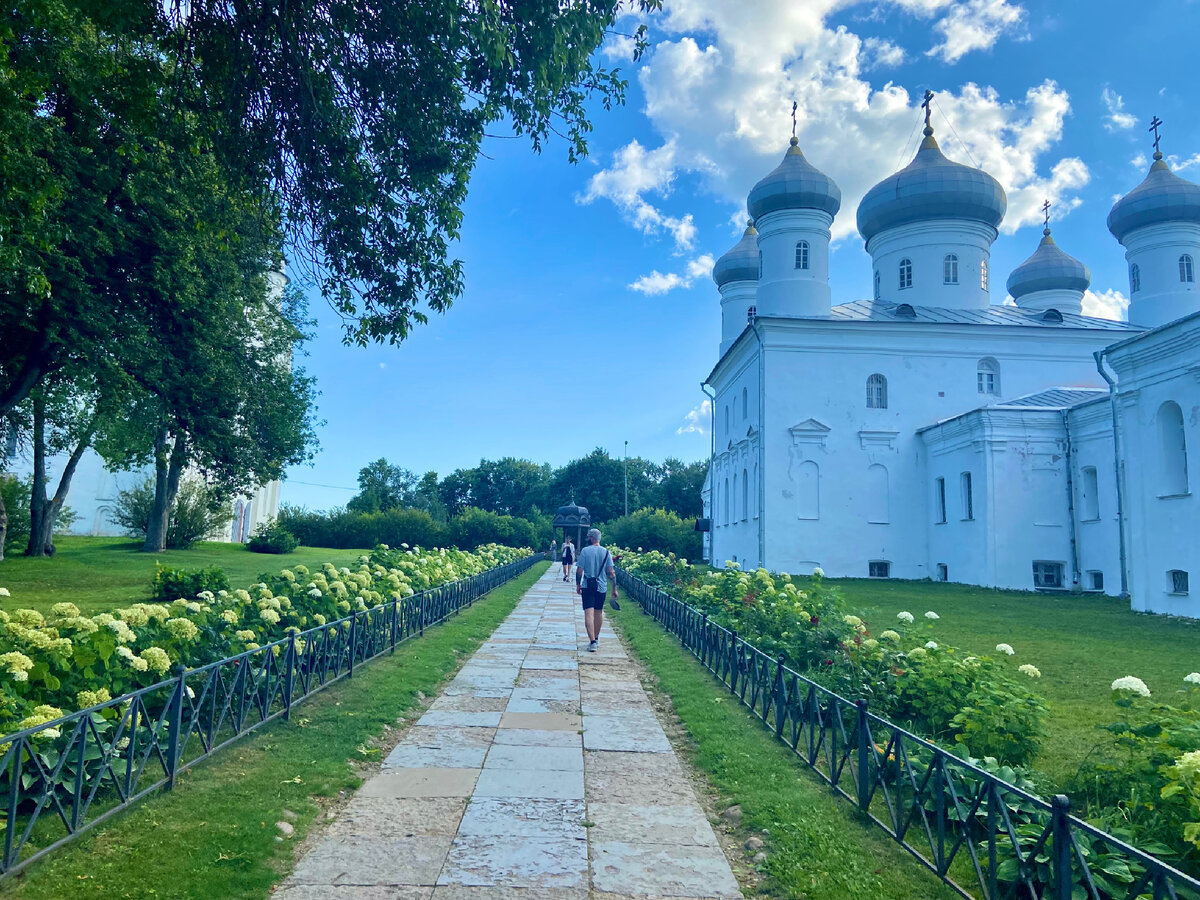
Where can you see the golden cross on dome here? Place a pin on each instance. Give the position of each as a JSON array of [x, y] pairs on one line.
[[1155, 123]]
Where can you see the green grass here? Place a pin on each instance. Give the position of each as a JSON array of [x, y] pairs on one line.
[[1081, 643], [98, 574], [214, 835], [818, 847]]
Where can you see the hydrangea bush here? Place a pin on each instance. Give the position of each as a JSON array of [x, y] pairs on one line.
[[67, 661]]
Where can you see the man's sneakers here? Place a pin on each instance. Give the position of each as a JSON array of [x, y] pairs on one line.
[[593, 646]]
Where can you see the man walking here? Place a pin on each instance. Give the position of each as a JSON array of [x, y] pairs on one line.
[[593, 570]]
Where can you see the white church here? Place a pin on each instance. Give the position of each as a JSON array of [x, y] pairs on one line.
[[931, 433]]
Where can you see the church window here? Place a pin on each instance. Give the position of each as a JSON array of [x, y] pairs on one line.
[[754, 494], [1172, 451], [877, 392], [877, 495], [725, 507], [745, 496], [1177, 581], [1047, 574], [1095, 580], [1187, 272], [878, 294], [905, 311], [943, 572], [727, 420], [950, 269], [968, 500], [905, 273], [940, 499], [760, 265], [745, 403], [987, 376], [735, 515], [879, 568], [802, 254], [808, 490], [1089, 488], [983, 274], [1135, 278]]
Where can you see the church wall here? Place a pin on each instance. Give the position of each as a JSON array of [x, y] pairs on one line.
[[1162, 297], [926, 246], [1094, 482], [735, 506]]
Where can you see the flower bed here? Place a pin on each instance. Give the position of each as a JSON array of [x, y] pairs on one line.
[[56, 664]]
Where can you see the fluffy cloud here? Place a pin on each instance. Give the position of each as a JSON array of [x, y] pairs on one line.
[[1117, 119], [1108, 304], [697, 420], [1182, 165], [658, 283], [720, 82]]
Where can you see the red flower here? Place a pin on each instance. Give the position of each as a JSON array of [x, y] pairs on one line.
[[829, 662], [813, 620]]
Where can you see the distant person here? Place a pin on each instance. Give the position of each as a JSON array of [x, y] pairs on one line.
[[568, 557], [554, 548], [592, 575]]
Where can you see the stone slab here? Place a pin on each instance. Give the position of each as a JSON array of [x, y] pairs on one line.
[[427, 782], [389, 818], [627, 733], [636, 778], [485, 860], [352, 892], [615, 703], [498, 892], [530, 737], [547, 784], [452, 747], [567, 759], [469, 703], [543, 706], [641, 869], [460, 718], [525, 818], [542, 721], [650, 824], [339, 859], [566, 689]]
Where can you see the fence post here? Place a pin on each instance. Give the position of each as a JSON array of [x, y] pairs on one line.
[[289, 668], [421, 612], [780, 705], [353, 641], [174, 723], [733, 661], [864, 750], [1061, 879], [395, 622]]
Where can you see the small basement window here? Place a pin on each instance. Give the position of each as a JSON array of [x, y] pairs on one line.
[[943, 572], [879, 569], [1177, 581], [1095, 581], [1047, 574]]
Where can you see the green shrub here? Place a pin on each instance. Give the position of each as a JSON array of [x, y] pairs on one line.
[[15, 492], [173, 584], [271, 537], [655, 529], [345, 529], [199, 513]]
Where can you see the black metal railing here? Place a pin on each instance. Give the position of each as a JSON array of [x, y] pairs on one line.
[[66, 776], [983, 837]]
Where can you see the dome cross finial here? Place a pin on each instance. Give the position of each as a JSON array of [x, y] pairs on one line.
[[794, 107], [1155, 124], [927, 105], [1046, 216]]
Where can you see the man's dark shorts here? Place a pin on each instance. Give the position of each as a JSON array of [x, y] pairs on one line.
[[593, 599]]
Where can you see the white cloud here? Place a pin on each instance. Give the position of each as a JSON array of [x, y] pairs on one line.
[[659, 283], [880, 53], [974, 25], [1117, 119], [719, 86], [697, 420], [1180, 165], [1110, 304]]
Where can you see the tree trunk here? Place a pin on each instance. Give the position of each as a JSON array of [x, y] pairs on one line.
[[55, 504], [37, 496], [168, 472], [3, 522]]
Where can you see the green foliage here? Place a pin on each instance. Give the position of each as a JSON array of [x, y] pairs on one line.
[[473, 527], [15, 492], [171, 583], [655, 529], [200, 512], [411, 527], [271, 537]]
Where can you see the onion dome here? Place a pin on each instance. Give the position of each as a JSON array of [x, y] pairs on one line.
[[1049, 269], [1161, 197], [931, 187], [740, 262], [571, 515], [794, 184]]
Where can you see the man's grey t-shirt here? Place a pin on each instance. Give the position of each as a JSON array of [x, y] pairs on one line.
[[594, 560]]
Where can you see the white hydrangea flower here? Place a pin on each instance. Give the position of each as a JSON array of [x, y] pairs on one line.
[[932, 616], [1031, 671], [1006, 649], [4, 592], [818, 572], [1132, 684], [905, 617], [1194, 678], [931, 645]]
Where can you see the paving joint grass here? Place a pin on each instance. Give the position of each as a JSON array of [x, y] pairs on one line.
[[818, 846], [215, 834]]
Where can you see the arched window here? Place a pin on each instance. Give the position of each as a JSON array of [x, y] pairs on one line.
[[754, 492], [1187, 272], [727, 420], [950, 269], [801, 254], [987, 376], [1135, 279], [745, 496], [983, 275], [905, 273], [760, 265], [877, 494], [735, 515], [745, 403], [1172, 451], [877, 392], [877, 292], [725, 512], [808, 490]]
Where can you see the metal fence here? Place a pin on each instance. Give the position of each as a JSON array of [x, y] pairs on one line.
[[983, 837], [110, 755]]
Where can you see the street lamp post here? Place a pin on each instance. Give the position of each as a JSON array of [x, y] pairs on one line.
[[626, 467]]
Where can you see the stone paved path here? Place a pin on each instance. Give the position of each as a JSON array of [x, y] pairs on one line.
[[502, 790]]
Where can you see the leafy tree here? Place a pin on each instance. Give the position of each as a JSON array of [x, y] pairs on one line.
[[382, 486], [677, 487], [595, 481], [655, 529]]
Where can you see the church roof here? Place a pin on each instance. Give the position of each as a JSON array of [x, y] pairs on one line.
[[1056, 398], [1161, 197], [1048, 269], [794, 184], [931, 187], [740, 262], [881, 311]]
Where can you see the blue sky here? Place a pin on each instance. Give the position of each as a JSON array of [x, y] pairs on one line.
[[589, 317]]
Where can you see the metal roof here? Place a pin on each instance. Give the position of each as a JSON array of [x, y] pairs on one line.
[[880, 311], [1055, 398], [794, 184], [1161, 197], [740, 262], [1048, 269]]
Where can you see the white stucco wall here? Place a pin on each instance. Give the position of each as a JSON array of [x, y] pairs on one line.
[[1155, 250], [927, 244]]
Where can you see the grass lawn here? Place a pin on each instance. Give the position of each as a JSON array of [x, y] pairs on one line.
[[1080, 643], [817, 848], [101, 573], [214, 835]]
